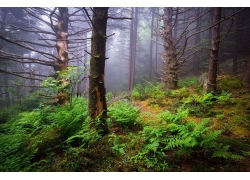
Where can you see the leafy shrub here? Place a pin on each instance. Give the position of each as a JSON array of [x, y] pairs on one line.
[[124, 114]]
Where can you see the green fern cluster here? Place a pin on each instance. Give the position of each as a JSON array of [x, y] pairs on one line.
[[68, 119], [181, 138], [190, 81], [152, 90], [200, 104], [124, 114], [169, 117], [85, 136], [207, 98], [30, 134]]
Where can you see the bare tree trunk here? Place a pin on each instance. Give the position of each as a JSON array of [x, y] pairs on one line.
[[5, 66], [171, 80], [134, 45], [32, 81], [63, 95], [130, 83], [85, 82], [214, 52], [196, 60], [156, 48], [235, 46], [151, 45], [97, 91]]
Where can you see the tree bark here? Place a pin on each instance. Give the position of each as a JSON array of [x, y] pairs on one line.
[[5, 65], [135, 45], [151, 45], [196, 60], [235, 46], [130, 81], [214, 51], [97, 91], [63, 95], [171, 80], [156, 48]]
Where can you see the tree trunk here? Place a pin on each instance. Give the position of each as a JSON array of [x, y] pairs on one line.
[[196, 60], [97, 91], [156, 48], [134, 48], [212, 73], [5, 65], [130, 82], [63, 95], [85, 84], [235, 46], [170, 81], [151, 45]]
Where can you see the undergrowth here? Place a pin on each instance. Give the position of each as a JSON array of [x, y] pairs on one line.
[[63, 138]]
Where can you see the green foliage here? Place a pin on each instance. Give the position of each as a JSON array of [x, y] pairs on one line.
[[199, 104], [152, 90], [31, 101], [182, 139], [85, 136], [32, 134], [14, 141], [124, 114], [228, 83], [14, 155], [69, 120], [117, 145], [72, 75], [8, 113], [179, 93], [168, 117], [190, 81]]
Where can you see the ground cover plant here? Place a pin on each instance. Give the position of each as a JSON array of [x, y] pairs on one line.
[[153, 130]]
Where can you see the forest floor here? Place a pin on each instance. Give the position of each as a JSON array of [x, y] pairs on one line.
[[200, 164], [182, 130]]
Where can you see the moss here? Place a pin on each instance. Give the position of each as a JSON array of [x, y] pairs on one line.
[[228, 83], [248, 106]]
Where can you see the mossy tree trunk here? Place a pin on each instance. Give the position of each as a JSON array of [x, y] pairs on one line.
[[170, 80], [97, 91], [63, 95], [214, 52]]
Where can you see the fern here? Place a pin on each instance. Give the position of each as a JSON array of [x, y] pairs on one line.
[[124, 114]]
